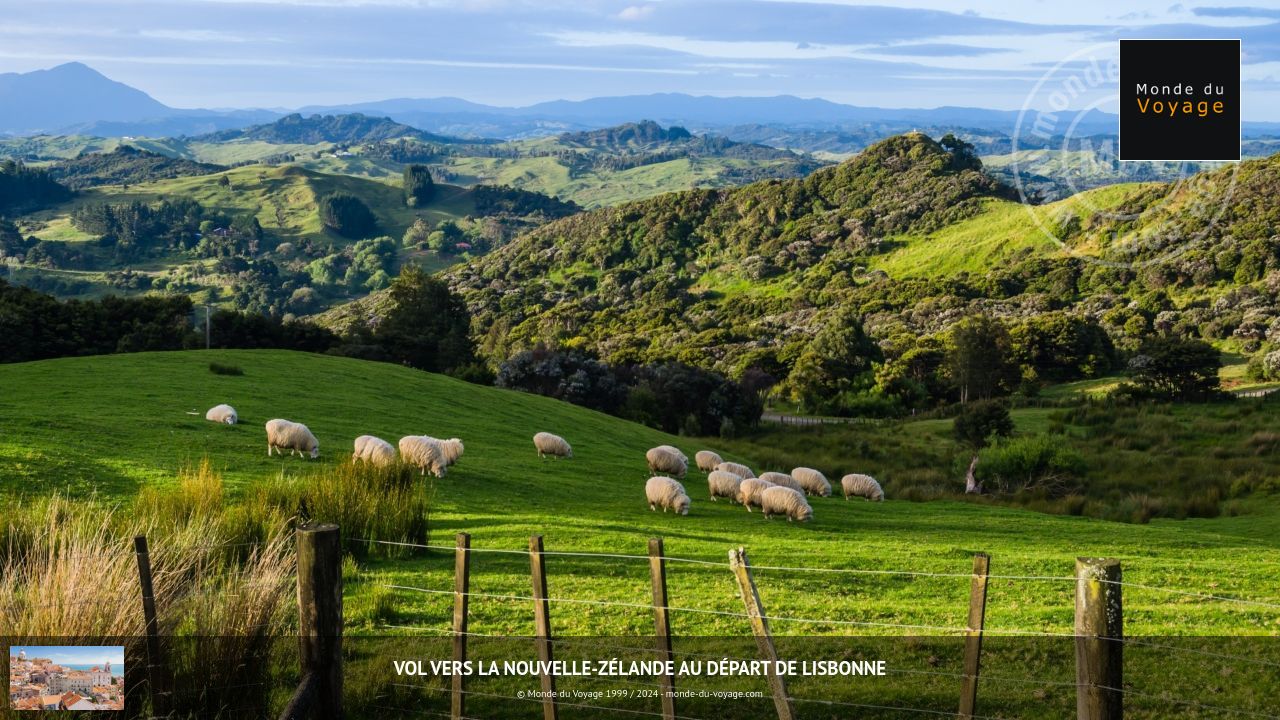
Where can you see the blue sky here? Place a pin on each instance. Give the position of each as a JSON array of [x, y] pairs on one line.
[[76, 654], [909, 53]]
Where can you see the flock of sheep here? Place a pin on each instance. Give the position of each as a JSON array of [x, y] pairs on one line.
[[775, 493]]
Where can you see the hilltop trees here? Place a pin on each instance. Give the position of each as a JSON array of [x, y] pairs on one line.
[[418, 186], [23, 189], [347, 215]]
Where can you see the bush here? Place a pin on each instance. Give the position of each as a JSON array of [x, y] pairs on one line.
[[347, 215], [220, 369], [1035, 463]]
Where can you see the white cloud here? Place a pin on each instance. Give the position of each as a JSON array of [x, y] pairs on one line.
[[635, 12]]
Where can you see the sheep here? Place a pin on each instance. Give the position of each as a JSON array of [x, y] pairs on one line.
[[452, 450], [783, 479], [785, 501], [749, 491], [723, 484], [552, 445], [666, 493], [863, 486], [295, 437], [424, 453], [663, 459], [373, 450], [222, 414], [812, 481], [707, 460], [738, 469], [676, 451]]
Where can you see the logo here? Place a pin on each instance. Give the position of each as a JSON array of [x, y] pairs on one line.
[[1180, 100]]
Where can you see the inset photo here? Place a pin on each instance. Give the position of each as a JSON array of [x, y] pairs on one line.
[[66, 677]]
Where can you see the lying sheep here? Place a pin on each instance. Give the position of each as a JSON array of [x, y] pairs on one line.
[[863, 486], [424, 453], [552, 445], [222, 414], [666, 459], [813, 482], [783, 479], [749, 492], [723, 484], [665, 493], [707, 460], [452, 450], [295, 437], [373, 450], [738, 469], [785, 501]]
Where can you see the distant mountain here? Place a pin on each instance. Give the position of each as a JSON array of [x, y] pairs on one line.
[[628, 135], [188, 122], [67, 95], [348, 128]]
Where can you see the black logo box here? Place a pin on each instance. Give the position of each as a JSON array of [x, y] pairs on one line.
[[1187, 65]]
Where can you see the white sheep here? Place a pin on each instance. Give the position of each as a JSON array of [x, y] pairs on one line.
[[452, 450], [813, 482], [783, 479], [552, 445], [707, 460], [373, 450], [666, 493], [723, 484], [785, 501], [749, 491], [222, 414], [738, 469], [424, 453], [295, 437], [863, 486], [677, 451], [666, 459]]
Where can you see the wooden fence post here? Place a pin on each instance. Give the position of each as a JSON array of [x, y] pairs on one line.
[[155, 659], [760, 627], [662, 625], [542, 627], [320, 618], [461, 588], [973, 635], [1099, 640]]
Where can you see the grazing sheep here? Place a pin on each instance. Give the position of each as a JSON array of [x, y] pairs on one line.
[[785, 501], [222, 414], [373, 450], [295, 437], [707, 460], [749, 492], [783, 479], [677, 451], [452, 450], [668, 494], [738, 469], [723, 484], [552, 445], [424, 453], [662, 459], [813, 482], [863, 486]]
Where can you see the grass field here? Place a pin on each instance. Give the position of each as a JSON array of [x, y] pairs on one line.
[[104, 427]]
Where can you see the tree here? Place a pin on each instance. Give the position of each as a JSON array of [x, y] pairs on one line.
[[839, 353], [347, 215], [974, 427], [427, 326], [980, 358], [1174, 368], [418, 186]]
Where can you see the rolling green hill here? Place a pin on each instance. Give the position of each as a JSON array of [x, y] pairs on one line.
[[140, 419]]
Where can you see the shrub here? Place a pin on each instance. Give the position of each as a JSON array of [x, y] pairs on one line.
[[347, 215], [1033, 463], [220, 369]]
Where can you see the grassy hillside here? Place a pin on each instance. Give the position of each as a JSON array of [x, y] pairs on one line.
[[106, 426]]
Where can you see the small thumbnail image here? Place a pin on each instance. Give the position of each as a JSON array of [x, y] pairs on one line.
[[66, 677]]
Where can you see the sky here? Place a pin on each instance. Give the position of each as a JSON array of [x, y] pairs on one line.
[[76, 654], [900, 53]]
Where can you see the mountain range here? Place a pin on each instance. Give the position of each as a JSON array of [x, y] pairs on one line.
[[73, 98]]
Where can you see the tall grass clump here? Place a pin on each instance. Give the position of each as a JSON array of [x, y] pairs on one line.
[[369, 503]]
